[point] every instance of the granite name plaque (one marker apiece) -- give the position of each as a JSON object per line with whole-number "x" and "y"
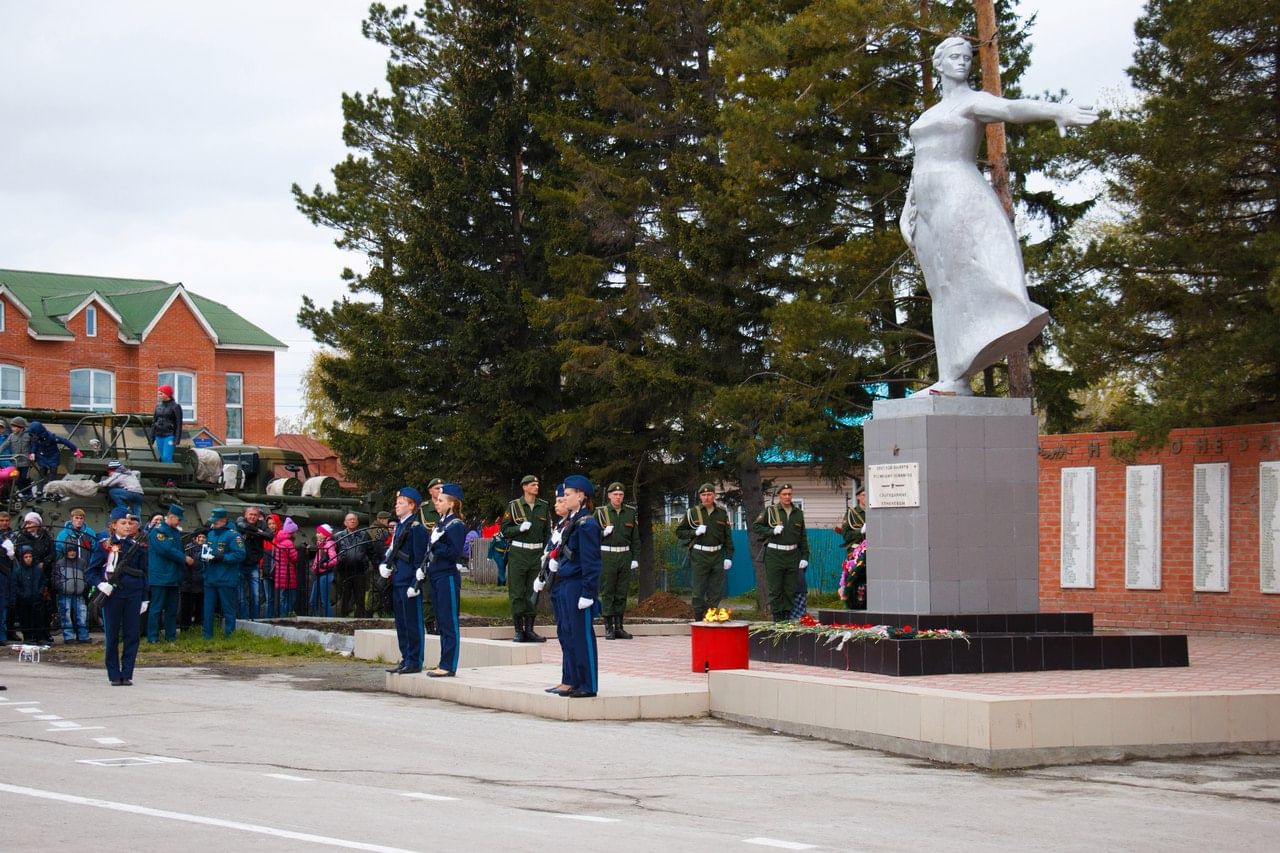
{"x": 1142, "y": 526}
{"x": 1077, "y": 517}
{"x": 1269, "y": 526}
{"x": 893, "y": 485}
{"x": 1210, "y": 500}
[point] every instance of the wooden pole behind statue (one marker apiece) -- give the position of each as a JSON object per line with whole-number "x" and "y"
{"x": 1020, "y": 384}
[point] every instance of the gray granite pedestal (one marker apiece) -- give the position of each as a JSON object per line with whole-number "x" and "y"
{"x": 972, "y": 544}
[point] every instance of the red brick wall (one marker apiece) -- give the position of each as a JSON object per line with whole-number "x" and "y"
{"x": 1243, "y": 609}
{"x": 178, "y": 342}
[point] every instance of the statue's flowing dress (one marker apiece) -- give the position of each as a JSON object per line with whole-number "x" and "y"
{"x": 966, "y": 246}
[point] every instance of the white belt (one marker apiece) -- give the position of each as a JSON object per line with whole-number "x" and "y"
{"x": 530, "y": 546}
{"x": 615, "y": 549}
{"x": 708, "y": 547}
{"x": 775, "y": 546}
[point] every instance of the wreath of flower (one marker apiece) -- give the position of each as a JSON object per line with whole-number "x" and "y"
{"x": 840, "y": 634}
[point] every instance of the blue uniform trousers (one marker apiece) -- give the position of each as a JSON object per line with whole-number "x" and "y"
{"x": 562, "y": 634}
{"x": 409, "y": 631}
{"x": 444, "y": 598}
{"x": 225, "y": 597}
{"x": 121, "y": 620}
{"x": 582, "y": 636}
{"x": 164, "y": 604}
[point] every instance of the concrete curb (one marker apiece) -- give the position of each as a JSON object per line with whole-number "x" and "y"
{"x": 341, "y": 643}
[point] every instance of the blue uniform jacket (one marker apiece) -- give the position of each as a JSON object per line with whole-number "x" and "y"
{"x": 130, "y": 574}
{"x": 165, "y": 557}
{"x": 447, "y": 551}
{"x": 228, "y": 553}
{"x": 413, "y": 540}
{"x": 582, "y": 552}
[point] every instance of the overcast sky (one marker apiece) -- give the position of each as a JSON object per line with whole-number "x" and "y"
{"x": 158, "y": 140}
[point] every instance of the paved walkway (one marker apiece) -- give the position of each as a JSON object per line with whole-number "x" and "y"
{"x": 1217, "y": 664}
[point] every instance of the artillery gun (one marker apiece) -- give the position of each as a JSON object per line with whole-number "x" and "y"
{"x": 232, "y": 476}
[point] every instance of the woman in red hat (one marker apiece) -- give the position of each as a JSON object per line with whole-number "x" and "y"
{"x": 166, "y": 428}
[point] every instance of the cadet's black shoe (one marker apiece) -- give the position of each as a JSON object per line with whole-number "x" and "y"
{"x": 619, "y": 630}
{"x": 119, "y": 682}
{"x": 128, "y": 682}
{"x": 409, "y": 670}
{"x": 397, "y": 669}
{"x": 568, "y": 691}
{"x": 580, "y": 694}
{"x": 440, "y": 673}
{"x": 558, "y": 688}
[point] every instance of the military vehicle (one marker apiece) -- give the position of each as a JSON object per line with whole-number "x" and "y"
{"x": 231, "y": 476}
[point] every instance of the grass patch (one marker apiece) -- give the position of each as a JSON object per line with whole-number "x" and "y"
{"x": 192, "y": 649}
{"x": 492, "y": 606}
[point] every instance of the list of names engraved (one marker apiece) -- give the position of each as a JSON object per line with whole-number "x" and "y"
{"x": 1210, "y": 500}
{"x": 1077, "y": 506}
{"x": 1269, "y": 526}
{"x": 1142, "y": 527}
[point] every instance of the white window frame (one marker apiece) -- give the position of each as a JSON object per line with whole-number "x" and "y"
{"x": 95, "y": 376}
{"x": 188, "y": 411}
{"x": 91, "y": 322}
{"x": 22, "y": 386}
{"x": 2, "y": 307}
{"x": 236, "y": 406}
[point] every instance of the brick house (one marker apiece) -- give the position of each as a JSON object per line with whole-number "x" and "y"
{"x": 105, "y": 344}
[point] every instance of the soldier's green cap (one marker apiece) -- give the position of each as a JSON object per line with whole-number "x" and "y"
{"x": 436, "y": 481}
{"x": 529, "y": 478}
{"x": 615, "y": 487}
{"x": 706, "y": 487}
{"x": 785, "y": 486}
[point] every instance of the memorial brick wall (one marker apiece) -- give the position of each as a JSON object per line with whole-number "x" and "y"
{"x": 1184, "y": 537}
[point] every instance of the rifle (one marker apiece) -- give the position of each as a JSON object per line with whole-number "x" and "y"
{"x": 99, "y": 597}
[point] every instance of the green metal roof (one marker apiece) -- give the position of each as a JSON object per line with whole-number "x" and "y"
{"x": 50, "y": 297}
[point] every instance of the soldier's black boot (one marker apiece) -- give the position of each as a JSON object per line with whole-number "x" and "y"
{"x": 619, "y": 630}
{"x": 517, "y": 623}
{"x": 610, "y": 632}
{"x": 529, "y": 635}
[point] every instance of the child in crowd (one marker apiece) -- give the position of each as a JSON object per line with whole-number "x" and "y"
{"x": 326, "y": 560}
{"x": 69, "y": 585}
{"x": 285, "y": 558}
{"x": 27, "y": 588}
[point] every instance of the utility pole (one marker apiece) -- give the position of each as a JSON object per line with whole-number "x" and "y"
{"x": 1020, "y": 384}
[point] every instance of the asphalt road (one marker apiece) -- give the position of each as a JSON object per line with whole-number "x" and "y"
{"x": 193, "y": 760}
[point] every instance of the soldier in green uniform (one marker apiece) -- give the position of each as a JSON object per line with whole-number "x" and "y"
{"x": 855, "y": 519}
{"x": 786, "y": 550}
{"x": 707, "y": 534}
{"x": 526, "y": 526}
{"x": 620, "y": 554}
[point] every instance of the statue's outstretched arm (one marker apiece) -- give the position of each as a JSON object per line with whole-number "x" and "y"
{"x": 988, "y": 108}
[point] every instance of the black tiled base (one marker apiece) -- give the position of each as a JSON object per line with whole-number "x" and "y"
{"x": 980, "y": 653}
{"x": 970, "y": 623}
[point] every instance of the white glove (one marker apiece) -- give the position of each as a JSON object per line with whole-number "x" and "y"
{"x": 435, "y": 535}
{"x": 607, "y": 530}
{"x": 420, "y": 575}
{"x": 728, "y": 564}
{"x": 700, "y": 529}
{"x": 804, "y": 564}
{"x": 106, "y": 588}
{"x": 553, "y": 565}
{"x": 412, "y": 592}
{"x": 555, "y": 537}
{"x": 584, "y": 603}
{"x": 635, "y": 564}
{"x": 777, "y": 528}
{"x": 525, "y": 526}
{"x": 7, "y": 545}
{"x": 384, "y": 570}
{"x": 145, "y": 605}
{"x": 538, "y": 585}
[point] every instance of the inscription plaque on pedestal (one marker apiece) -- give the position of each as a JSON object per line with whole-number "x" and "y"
{"x": 1269, "y": 526}
{"x": 1077, "y": 509}
{"x": 1142, "y": 519}
{"x": 894, "y": 485}
{"x": 1210, "y": 500}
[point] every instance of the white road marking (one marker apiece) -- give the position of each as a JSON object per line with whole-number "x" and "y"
{"x": 288, "y": 778}
{"x": 199, "y": 819}
{"x": 48, "y": 717}
{"x": 132, "y": 761}
{"x": 785, "y": 845}
{"x": 587, "y": 817}
{"x": 109, "y": 741}
{"x": 30, "y": 710}
{"x": 15, "y": 704}
{"x": 414, "y": 795}
{"x": 65, "y": 724}
{"x": 78, "y": 728}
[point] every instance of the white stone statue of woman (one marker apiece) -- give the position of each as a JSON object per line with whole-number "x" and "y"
{"x": 958, "y": 230}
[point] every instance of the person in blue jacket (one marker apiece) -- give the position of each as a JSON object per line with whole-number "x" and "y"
{"x": 44, "y": 452}
{"x": 548, "y": 578}
{"x": 166, "y": 560}
{"x": 225, "y": 552}
{"x": 118, "y": 568}
{"x": 404, "y": 558}
{"x": 448, "y": 542}
{"x": 577, "y": 582}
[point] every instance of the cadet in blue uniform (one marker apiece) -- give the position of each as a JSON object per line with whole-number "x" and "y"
{"x": 225, "y": 550}
{"x": 577, "y": 582}
{"x": 404, "y": 559}
{"x": 447, "y": 539}
{"x": 548, "y": 576}
{"x": 118, "y": 568}
{"x": 165, "y": 563}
